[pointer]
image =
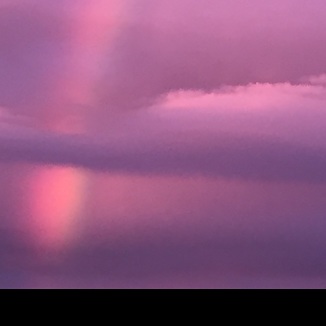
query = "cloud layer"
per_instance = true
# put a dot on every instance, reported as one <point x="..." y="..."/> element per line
<point x="261" y="131"/>
<point x="94" y="58"/>
<point x="191" y="45"/>
<point x="162" y="143"/>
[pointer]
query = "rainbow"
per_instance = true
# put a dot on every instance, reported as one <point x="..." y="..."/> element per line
<point x="56" y="201"/>
<point x="57" y="195"/>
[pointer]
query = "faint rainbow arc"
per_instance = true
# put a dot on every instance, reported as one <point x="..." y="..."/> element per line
<point x="58" y="194"/>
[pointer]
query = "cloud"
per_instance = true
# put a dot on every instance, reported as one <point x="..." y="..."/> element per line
<point x="263" y="132"/>
<point x="316" y="80"/>
<point x="57" y="59"/>
<point x="219" y="179"/>
<point x="190" y="45"/>
<point x="51" y="55"/>
<point x="205" y="261"/>
<point x="32" y="40"/>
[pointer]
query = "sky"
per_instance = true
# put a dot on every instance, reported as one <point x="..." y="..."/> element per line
<point x="162" y="144"/>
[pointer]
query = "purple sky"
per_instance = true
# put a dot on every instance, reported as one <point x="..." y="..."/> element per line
<point x="162" y="144"/>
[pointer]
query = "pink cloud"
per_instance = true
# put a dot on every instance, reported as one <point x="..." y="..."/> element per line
<point x="191" y="45"/>
<point x="259" y="131"/>
<point x="57" y="59"/>
<point x="217" y="180"/>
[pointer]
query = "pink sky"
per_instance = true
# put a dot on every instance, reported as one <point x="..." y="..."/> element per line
<point x="162" y="143"/>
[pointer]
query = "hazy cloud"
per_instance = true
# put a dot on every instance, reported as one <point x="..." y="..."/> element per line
<point x="217" y="179"/>
<point x="93" y="58"/>
<point x="256" y="132"/>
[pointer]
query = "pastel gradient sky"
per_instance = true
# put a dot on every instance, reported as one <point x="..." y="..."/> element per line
<point x="162" y="144"/>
